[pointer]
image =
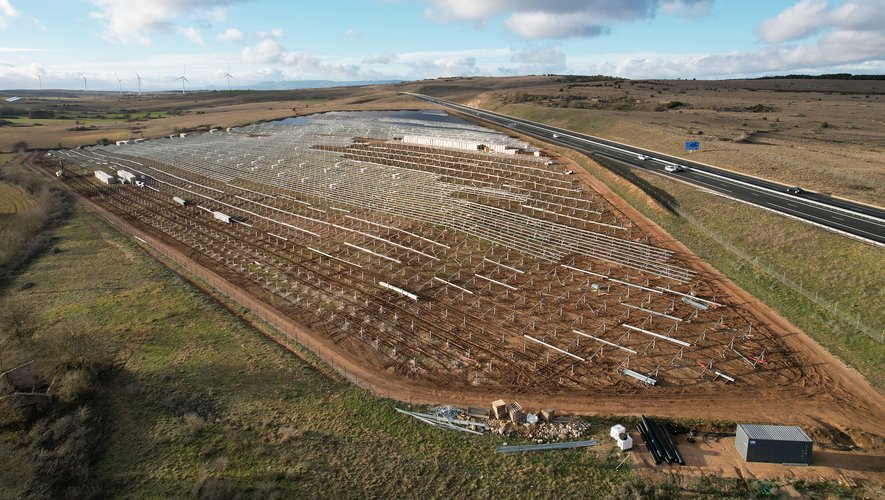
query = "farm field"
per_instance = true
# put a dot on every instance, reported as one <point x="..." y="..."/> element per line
<point x="357" y="248"/>
<point x="92" y="118"/>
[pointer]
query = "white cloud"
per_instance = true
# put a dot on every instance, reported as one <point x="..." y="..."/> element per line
<point x="799" y="21"/>
<point x="130" y="21"/>
<point x="230" y="35"/>
<point x="274" y="33"/>
<point x="539" y="59"/>
<point x="539" y="24"/>
<point x="192" y="34"/>
<point x="352" y="33"/>
<point x="381" y="59"/>
<point x="267" y="51"/>
<point x="560" y="18"/>
<point x="687" y="8"/>
<point x="7" y="11"/>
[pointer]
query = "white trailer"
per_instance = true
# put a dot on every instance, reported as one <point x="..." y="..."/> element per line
<point x="104" y="177"/>
<point x="223" y="217"/>
<point x="180" y="201"/>
<point x="126" y="176"/>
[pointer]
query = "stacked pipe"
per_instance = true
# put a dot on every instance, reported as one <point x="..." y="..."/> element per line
<point x="659" y="441"/>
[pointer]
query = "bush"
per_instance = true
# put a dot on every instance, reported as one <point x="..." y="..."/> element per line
<point x="760" y="108"/>
<point x="41" y="114"/>
<point x="20" y="147"/>
<point x="74" y="386"/>
<point x="22" y="236"/>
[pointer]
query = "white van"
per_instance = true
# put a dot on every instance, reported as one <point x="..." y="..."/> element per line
<point x="674" y="168"/>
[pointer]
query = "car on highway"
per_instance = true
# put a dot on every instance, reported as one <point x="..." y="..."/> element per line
<point x="674" y="168"/>
<point x="642" y="157"/>
<point x="795" y="190"/>
<point x="556" y="136"/>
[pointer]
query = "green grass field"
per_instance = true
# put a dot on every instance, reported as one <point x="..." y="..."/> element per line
<point x="203" y="405"/>
<point x="204" y="402"/>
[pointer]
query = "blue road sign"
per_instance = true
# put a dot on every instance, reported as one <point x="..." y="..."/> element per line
<point x="693" y="146"/>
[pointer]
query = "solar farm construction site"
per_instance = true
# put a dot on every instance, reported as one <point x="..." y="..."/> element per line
<point x="443" y="254"/>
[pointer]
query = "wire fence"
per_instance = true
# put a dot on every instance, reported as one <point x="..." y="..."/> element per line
<point x="378" y="386"/>
<point x="848" y="318"/>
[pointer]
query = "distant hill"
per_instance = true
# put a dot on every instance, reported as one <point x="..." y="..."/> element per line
<point x="281" y="85"/>
<point x="312" y="84"/>
<point x="829" y="76"/>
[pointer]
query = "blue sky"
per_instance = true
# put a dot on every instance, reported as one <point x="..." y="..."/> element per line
<point x="272" y="40"/>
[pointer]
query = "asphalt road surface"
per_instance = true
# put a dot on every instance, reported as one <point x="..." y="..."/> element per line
<point x="845" y="217"/>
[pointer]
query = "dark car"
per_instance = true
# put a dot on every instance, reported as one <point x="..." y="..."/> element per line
<point x="795" y="190"/>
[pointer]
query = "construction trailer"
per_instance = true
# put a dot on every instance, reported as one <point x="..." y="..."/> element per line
<point x="782" y="444"/>
<point x="126" y="176"/>
<point x="180" y="201"/>
<point x="104" y="177"/>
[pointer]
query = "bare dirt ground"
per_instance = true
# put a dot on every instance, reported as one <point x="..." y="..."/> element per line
<point x="828" y="396"/>
<point x="718" y="456"/>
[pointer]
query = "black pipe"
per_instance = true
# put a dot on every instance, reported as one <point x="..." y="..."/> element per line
<point x="668" y="453"/>
<point x="649" y="429"/>
<point x="656" y="442"/>
<point x="672" y="440"/>
<point x="648" y="445"/>
<point x="660" y="433"/>
<point x="643" y="424"/>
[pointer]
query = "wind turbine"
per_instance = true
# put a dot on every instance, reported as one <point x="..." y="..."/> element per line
<point x="120" y="83"/>
<point x="183" y="79"/>
<point x="85" y="88"/>
<point x="138" y="77"/>
<point x="227" y="75"/>
<point x="40" y="79"/>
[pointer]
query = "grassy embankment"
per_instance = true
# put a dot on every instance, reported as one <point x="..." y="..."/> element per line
<point x="177" y="395"/>
<point x="831" y="287"/>
<point x="197" y="401"/>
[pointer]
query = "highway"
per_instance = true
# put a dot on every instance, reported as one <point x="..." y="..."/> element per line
<point x="850" y="219"/>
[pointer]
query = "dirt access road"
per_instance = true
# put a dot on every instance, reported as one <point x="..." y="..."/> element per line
<point x="830" y="393"/>
<point x="831" y="397"/>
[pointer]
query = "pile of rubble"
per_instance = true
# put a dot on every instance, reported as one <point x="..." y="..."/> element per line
<point x="543" y="427"/>
<point x="507" y="419"/>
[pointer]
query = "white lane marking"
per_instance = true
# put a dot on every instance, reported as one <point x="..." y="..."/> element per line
<point x="564" y="134"/>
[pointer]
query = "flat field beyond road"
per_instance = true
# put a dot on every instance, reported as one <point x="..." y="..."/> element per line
<point x="87" y="119"/>
<point x="825" y="135"/>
